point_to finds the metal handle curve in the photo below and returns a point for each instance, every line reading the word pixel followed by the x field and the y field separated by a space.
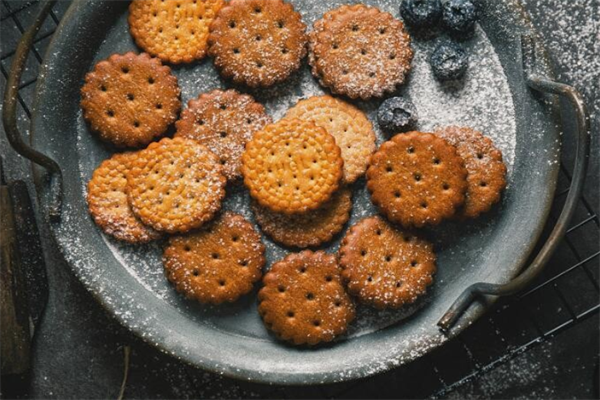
pixel 9 113
pixel 541 84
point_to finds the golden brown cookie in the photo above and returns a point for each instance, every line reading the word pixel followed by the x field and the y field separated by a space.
pixel 383 266
pixel 223 121
pixel 107 201
pixel 217 263
pixel 257 42
pixel 349 126
pixel 176 31
pixel 417 179
pixel 303 300
pixel 175 185
pixel 292 166
pixel 308 229
pixel 360 51
pixel 130 99
pixel 486 171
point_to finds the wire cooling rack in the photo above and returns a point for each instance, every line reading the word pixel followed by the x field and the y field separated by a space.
pixel 566 293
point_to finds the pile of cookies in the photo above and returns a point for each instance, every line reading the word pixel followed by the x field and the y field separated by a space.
pixel 300 170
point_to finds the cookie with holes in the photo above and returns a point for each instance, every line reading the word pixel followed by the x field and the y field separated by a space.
pixel 292 166
pixel 257 42
pixel 303 300
pixel 349 126
pixel 417 179
pixel 107 201
pixel 176 31
pixel 360 51
pixel 130 99
pixel 223 121
pixel 486 171
pixel 308 229
pixel 218 263
pixel 175 185
pixel 383 266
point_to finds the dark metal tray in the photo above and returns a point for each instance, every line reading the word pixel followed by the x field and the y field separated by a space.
pixel 128 281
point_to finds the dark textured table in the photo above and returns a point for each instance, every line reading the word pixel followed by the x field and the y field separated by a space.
pixel 541 344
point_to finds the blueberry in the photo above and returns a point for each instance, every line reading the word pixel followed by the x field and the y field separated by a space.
pixel 449 61
pixel 421 13
pixel 459 16
pixel 396 114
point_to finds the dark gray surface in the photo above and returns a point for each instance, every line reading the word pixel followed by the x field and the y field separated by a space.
pixel 77 350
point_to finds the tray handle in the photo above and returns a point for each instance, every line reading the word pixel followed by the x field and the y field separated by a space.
pixel 9 113
pixel 541 84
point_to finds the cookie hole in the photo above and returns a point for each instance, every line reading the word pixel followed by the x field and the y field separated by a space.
pixel 445 186
pixel 155 14
pixel 215 256
pixel 345 72
pixel 258 38
pixel 248 121
pixel 312 178
pixel 290 314
pixel 279 184
pixel 187 248
pixel 328 278
pixel 413 263
pixel 259 64
pixel 407 238
pixel 316 323
pixel 130 97
pixel 397 194
pixel 398 284
pixel 257 10
pixel 176 38
pixel 236 51
pixel 302 270
pixel 314 161
pixel 159 106
pixel 483 184
pixel 363 52
pixel 178 5
pixel 281 289
pixel 378 232
pixel 417 177
pixel 382 31
pixel 297 187
pixel 160 30
pixel 156 172
pixel 371 74
pixel 392 56
pixel 103 88
pixel 480 156
pixel 335 46
pixel 370 278
pixel 125 70
pixel 363 253
pixel 244 263
pixel 424 204
pixel 136 124
pixel 389 168
pixel 355 28
pixel 436 161
pixel 235 238
pixel 284 51
pixel 338 303
pixel 289 155
pixel 192 32
pixel 201 122
pixel 232 24
pixel 222 161
pixel 388 258
pixel 280 24
pixel 110 113
pixel 223 134
pixel 221 282
pixel 177 26
pixel 310 296
pixel 410 150
pixel 195 272
pixel 223 107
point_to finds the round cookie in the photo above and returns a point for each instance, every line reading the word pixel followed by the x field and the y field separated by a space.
pixel 360 51
pixel 175 185
pixel 130 99
pixel 107 201
pixel 218 263
pixel 257 42
pixel 486 171
pixel 307 229
pixel 349 126
pixel 292 166
pixel 303 300
pixel 383 266
pixel 223 121
pixel 417 179
pixel 176 31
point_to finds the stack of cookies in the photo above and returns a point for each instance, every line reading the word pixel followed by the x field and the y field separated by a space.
pixel 300 171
